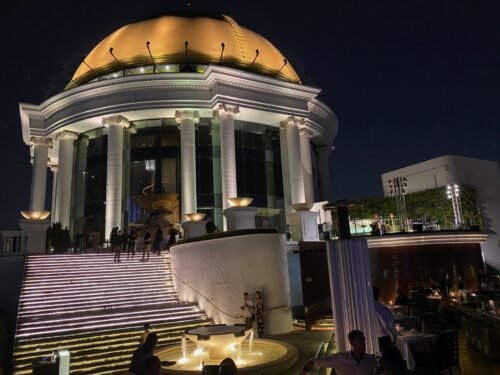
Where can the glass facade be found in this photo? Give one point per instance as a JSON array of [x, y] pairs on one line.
[[151, 166]]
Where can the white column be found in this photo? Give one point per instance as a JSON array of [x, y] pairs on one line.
[[226, 114], [53, 208], [295, 161], [285, 169], [39, 173], [323, 155], [114, 172], [307, 169], [186, 121], [66, 141]]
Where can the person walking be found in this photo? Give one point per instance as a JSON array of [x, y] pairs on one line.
[[248, 310], [132, 237], [124, 240], [146, 249], [118, 245], [259, 313], [113, 239], [157, 241], [171, 236]]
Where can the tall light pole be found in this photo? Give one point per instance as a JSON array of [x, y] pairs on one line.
[[453, 193], [398, 187]]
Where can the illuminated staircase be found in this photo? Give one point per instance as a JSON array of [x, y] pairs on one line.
[[96, 309]]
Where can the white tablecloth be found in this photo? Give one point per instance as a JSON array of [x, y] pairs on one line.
[[407, 340]]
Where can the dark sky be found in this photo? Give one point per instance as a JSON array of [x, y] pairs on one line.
[[408, 79]]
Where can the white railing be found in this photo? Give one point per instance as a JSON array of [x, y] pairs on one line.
[[11, 241]]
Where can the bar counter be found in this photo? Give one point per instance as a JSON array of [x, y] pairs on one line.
[[482, 329]]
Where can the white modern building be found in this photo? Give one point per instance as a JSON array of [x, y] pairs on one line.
[[484, 175], [197, 109]]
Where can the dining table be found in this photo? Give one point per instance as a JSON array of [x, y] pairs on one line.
[[407, 341]]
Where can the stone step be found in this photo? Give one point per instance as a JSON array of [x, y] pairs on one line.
[[96, 308]]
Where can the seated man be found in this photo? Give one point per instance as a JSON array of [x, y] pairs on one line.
[[142, 354], [353, 362]]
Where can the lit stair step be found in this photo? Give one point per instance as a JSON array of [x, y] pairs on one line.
[[48, 310], [103, 323]]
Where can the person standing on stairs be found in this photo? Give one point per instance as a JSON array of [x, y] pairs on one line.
[[146, 248], [157, 241]]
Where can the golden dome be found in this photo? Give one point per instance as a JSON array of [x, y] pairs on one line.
[[168, 36]]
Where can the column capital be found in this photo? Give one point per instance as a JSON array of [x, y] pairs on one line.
[[66, 134], [226, 110], [34, 141], [305, 132], [291, 121], [84, 140], [132, 129], [53, 167], [187, 115], [115, 120]]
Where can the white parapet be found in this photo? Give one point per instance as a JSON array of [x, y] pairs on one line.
[[215, 274], [33, 235], [194, 228], [304, 225], [240, 217]]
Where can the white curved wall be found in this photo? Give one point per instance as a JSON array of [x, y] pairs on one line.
[[222, 269]]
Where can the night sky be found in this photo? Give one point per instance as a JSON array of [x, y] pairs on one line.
[[409, 80]]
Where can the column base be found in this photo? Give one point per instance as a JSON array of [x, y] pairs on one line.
[[194, 228], [304, 225], [240, 217], [33, 235]]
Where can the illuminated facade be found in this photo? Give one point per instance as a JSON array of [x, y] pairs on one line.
[[197, 110]]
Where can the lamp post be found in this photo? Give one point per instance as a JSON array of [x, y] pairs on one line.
[[398, 187], [453, 193]]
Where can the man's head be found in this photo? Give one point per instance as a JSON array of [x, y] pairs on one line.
[[376, 293], [146, 326], [227, 367], [399, 292], [357, 341], [246, 295]]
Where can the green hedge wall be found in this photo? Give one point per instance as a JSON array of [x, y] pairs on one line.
[[431, 204]]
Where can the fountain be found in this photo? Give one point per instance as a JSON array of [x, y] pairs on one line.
[[209, 345]]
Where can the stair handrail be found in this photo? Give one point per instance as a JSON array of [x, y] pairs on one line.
[[210, 301]]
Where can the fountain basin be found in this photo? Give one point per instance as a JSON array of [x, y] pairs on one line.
[[262, 356], [218, 340]]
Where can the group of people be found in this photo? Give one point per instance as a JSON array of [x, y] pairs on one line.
[[357, 361], [123, 241], [253, 311]]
